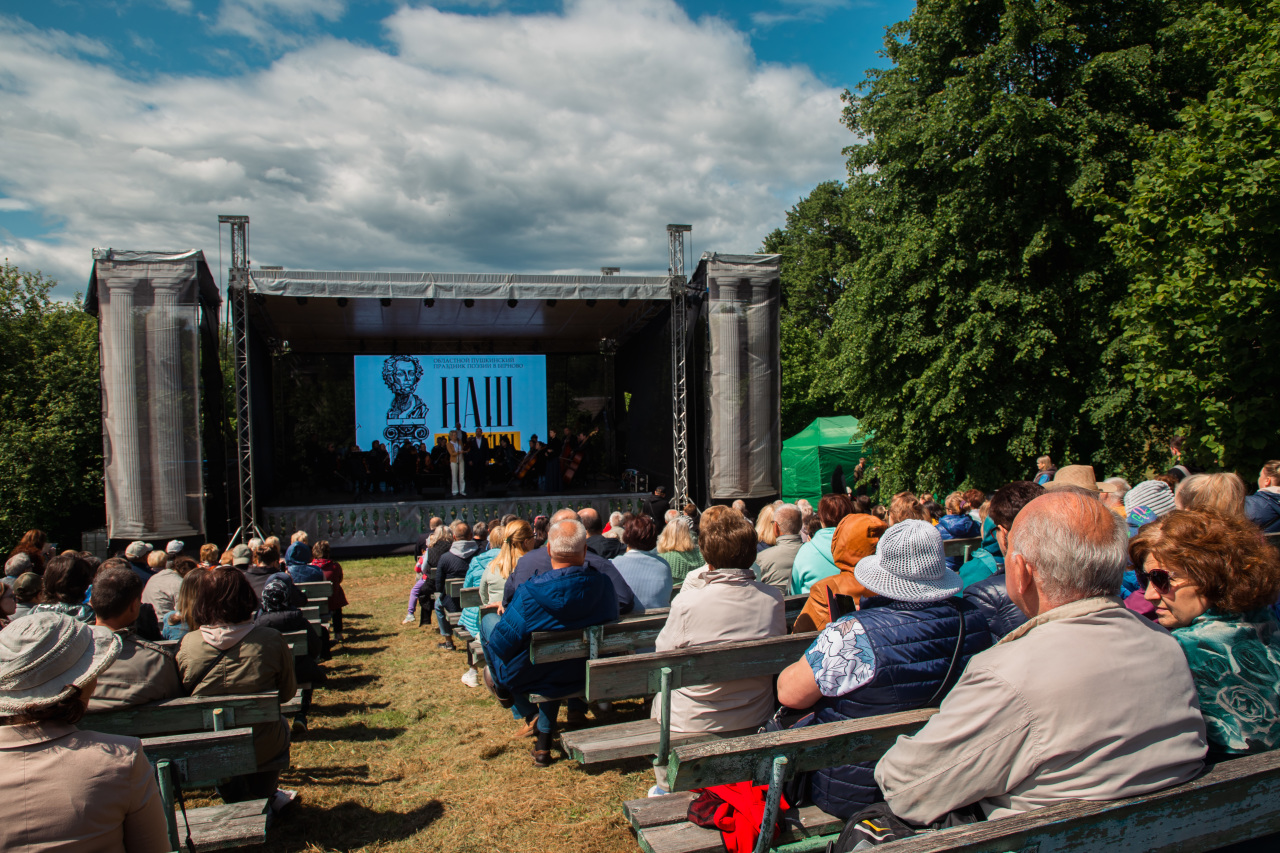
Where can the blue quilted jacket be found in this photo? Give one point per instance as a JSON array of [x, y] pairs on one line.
[[559, 600], [913, 645]]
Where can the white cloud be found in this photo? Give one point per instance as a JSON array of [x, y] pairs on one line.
[[256, 19], [536, 143]]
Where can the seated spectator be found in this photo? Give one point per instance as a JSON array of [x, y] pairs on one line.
[[1263, 506], [776, 561], [453, 565], [297, 561], [905, 506], [66, 586], [1074, 476], [266, 565], [137, 553], [321, 558], [813, 561], [424, 568], [1213, 580], [766, 537], [26, 593], [614, 528], [958, 525], [676, 548], [208, 555], [176, 624], [740, 507], [161, 591], [569, 597], [8, 604], [597, 542], [143, 672], [648, 575], [1031, 722], [227, 654], [1045, 471], [1113, 491], [856, 537], [1220, 493], [278, 611], [973, 501], [985, 585], [20, 564], [538, 561], [470, 619], [1146, 502], [519, 540], [66, 789], [903, 649]]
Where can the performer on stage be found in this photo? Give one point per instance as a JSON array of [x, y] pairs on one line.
[[551, 477], [458, 460]]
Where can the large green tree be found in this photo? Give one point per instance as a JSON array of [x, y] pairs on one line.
[[976, 329], [816, 245], [50, 413], [1199, 232]]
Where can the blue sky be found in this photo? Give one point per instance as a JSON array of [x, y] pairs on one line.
[[481, 135]]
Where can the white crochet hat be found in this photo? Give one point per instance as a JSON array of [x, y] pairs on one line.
[[1152, 494], [909, 565], [44, 654]]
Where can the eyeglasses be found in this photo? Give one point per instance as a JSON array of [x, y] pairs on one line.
[[1159, 578]]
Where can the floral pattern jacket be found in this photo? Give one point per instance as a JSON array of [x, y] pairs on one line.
[[1235, 660]]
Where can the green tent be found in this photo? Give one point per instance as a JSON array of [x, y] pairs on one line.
[[810, 457]]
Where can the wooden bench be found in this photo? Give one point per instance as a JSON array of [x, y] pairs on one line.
[[316, 590], [1233, 801], [453, 587], [621, 637], [187, 714], [662, 672], [297, 641], [198, 760], [961, 547]]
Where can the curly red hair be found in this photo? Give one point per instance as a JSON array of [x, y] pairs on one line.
[[1235, 568]]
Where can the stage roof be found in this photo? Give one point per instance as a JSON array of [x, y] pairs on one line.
[[427, 312]]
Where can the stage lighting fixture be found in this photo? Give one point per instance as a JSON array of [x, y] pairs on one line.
[[386, 303], [591, 303], [342, 302], [429, 302], [512, 303], [551, 303], [470, 303]]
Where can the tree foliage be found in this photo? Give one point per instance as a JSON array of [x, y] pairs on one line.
[[816, 245], [976, 330], [50, 412], [1199, 232]]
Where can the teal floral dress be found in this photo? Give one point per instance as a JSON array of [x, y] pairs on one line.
[[1235, 660]]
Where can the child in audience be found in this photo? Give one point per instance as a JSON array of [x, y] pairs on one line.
[[332, 569]]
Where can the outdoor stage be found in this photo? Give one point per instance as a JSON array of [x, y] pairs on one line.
[[386, 525]]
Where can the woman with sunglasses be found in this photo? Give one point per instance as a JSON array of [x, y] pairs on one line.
[[1213, 579]]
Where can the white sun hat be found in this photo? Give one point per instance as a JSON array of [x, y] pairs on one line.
[[909, 565], [44, 655]]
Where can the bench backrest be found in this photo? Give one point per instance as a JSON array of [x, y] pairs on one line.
[[641, 675], [316, 590], [809, 748], [207, 757], [621, 637], [297, 641], [453, 586], [188, 714], [961, 547]]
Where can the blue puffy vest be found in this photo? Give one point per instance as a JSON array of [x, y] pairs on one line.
[[913, 646]]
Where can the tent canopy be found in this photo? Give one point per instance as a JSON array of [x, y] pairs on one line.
[[810, 457]]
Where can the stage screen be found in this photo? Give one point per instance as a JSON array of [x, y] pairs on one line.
[[420, 397]]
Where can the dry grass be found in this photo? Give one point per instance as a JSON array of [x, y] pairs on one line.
[[401, 756]]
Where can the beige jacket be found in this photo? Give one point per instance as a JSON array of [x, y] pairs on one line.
[[161, 591], [71, 791], [716, 607], [144, 672], [260, 662], [1043, 717]]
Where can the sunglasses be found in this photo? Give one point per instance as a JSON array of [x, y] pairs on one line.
[[1159, 578]]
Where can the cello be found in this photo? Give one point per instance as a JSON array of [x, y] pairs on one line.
[[571, 467]]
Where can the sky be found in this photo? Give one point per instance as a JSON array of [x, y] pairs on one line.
[[469, 136]]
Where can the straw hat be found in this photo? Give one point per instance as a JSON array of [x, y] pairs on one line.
[[1080, 476], [44, 655], [909, 565]]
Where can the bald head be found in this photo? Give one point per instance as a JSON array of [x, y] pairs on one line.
[[788, 518], [567, 543], [1069, 546], [591, 520], [563, 514]]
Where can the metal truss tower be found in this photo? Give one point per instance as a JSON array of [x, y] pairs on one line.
[[679, 363], [238, 296]]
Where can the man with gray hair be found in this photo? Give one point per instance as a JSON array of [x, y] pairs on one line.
[[538, 562], [1035, 720], [569, 597], [775, 563]]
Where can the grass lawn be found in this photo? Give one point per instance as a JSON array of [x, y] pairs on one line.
[[401, 756]]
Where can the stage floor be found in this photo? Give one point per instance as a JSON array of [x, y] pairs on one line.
[[370, 526]]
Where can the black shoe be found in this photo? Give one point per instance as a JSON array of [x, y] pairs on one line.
[[500, 693], [447, 644], [542, 749]]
